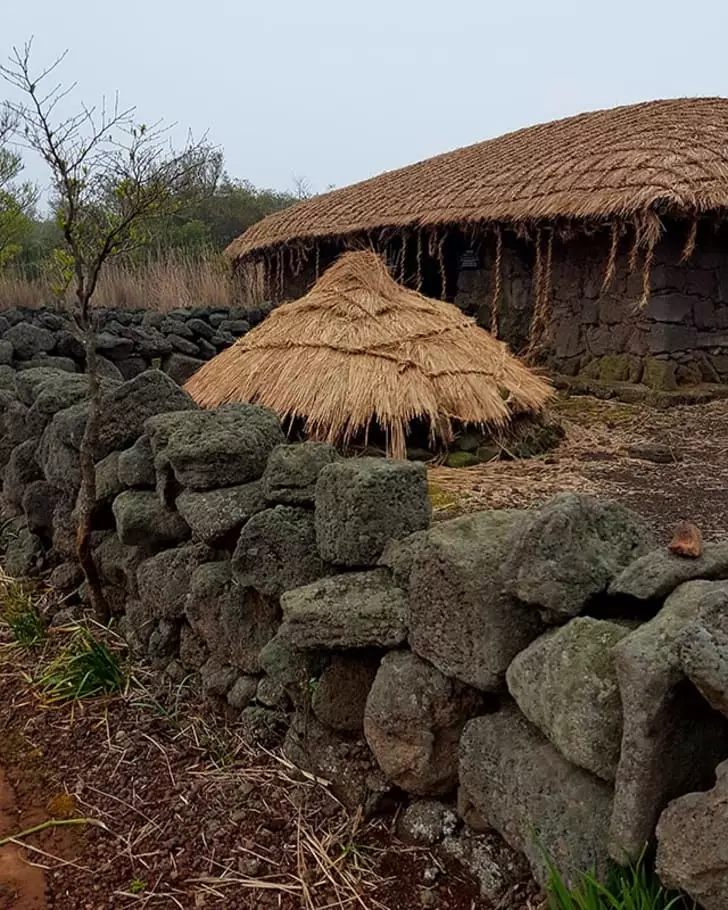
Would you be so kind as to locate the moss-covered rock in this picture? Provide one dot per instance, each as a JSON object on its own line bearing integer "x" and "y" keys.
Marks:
{"x": 461, "y": 460}
{"x": 619, "y": 368}
{"x": 659, "y": 374}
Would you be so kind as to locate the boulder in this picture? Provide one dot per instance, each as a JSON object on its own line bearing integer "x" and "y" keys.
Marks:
{"x": 363, "y": 503}
{"x": 58, "y": 452}
{"x": 399, "y": 557}
{"x": 39, "y": 502}
{"x": 276, "y": 551}
{"x": 132, "y": 366}
{"x": 242, "y": 692}
{"x": 291, "y": 669}
{"x": 703, "y": 651}
{"x": 14, "y": 418}
{"x": 534, "y": 797}
{"x": 458, "y": 565}
{"x": 53, "y": 393}
{"x": 427, "y": 822}
{"x": 6, "y": 353}
{"x": 164, "y": 580}
{"x": 109, "y": 370}
{"x": 340, "y": 695}
{"x": 656, "y": 574}
{"x": 127, "y": 407}
{"x": 193, "y": 651}
{"x": 181, "y": 367}
{"x": 117, "y": 564}
{"x": 565, "y": 683}
{"x": 24, "y": 555}
{"x": 66, "y": 577}
{"x": 22, "y": 469}
{"x": 29, "y": 340}
{"x": 216, "y": 515}
{"x": 141, "y": 520}
{"x": 672, "y": 740}
{"x": 215, "y": 448}
{"x": 500, "y": 871}
{"x": 413, "y": 720}
{"x": 234, "y": 622}
{"x": 136, "y": 465}
{"x": 355, "y": 610}
{"x": 108, "y": 484}
{"x": 691, "y": 851}
{"x": 568, "y": 552}
{"x": 292, "y": 471}
{"x": 217, "y": 679}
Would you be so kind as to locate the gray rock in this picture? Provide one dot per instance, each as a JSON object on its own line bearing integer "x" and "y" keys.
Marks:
{"x": 141, "y": 520}
{"x": 569, "y": 551}
{"x": 182, "y": 345}
{"x": 137, "y": 627}
{"x": 54, "y": 394}
{"x": 276, "y": 551}
{"x": 427, "y": 822}
{"x": 565, "y": 683}
{"x": 117, "y": 564}
{"x": 6, "y": 353}
{"x": 363, "y": 503}
{"x": 65, "y": 364}
{"x": 22, "y": 469}
{"x": 108, "y": 369}
{"x": 399, "y": 556}
{"x": 262, "y": 726}
{"x": 15, "y": 420}
{"x": 193, "y": 651}
{"x": 691, "y": 838}
{"x": 115, "y": 347}
{"x": 132, "y": 366}
{"x": 214, "y": 515}
{"x": 528, "y": 792}
{"x": 181, "y": 367}
{"x": 29, "y": 340}
{"x": 217, "y": 679}
{"x": 347, "y": 764}
{"x": 126, "y": 408}
{"x": 290, "y": 668}
{"x": 136, "y": 465}
{"x": 271, "y": 693}
{"x": 58, "y": 452}
{"x": 340, "y": 695}
{"x": 413, "y": 720}
{"x": 108, "y": 485}
{"x": 222, "y": 447}
{"x": 459, "y": 563}
{"x": 659, "y": 572}
{"x": 672, "y": 740}
{"x": 703, "y": 651}
{"x": 164, "y": 580}
{"x": 242, "y": 692}
{"x": 66, "y": 577}
{"x": 356, "y": 610}
{"x": 39, "y": 502}
{"x": 496, "y": 867}
{"x": 24, "y": 555}
{"x": 292, "y": 471}
{"x": 163, "y": 643}
{"x": 234, "y": 622}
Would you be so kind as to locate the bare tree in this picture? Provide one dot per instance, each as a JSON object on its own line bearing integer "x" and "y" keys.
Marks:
{"x": 112, "y": 180}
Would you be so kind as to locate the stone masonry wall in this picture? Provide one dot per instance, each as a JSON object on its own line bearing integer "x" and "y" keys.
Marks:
{"x": 509, "y": 671}
{"x": 681, "y": 337}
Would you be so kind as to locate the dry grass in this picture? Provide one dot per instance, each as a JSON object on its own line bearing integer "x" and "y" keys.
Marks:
{"x": 360, "y": 350}
{"x": 174, "y": 280}
{"x": 606, "y": 164}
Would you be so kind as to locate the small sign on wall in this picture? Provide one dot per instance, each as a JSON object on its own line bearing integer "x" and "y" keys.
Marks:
{"x": 469, "y": 260}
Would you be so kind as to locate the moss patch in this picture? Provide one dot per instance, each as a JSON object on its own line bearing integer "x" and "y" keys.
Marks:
{"x": 442, "y": 500}
{"x": 659, "y": 374}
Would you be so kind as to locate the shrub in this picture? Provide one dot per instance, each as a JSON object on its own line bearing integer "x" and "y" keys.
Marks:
{"x": 85, "y": 667}
{"x": 19, "y": 611}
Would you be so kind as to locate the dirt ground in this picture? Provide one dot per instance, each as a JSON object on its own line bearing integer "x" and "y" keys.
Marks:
{"x": 667, "y": 465}
{"x": 182, "y": 812}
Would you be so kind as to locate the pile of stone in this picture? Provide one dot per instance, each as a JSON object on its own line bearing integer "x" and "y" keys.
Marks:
{"x": 549, "y": 675}
{"x": 128, "y": 341}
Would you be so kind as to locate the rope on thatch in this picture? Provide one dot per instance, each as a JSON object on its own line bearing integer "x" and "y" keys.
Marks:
{"x": 691, "y": 240}
{"x": 403, "y": 263}
{"x": 635, "y": 250}
{"x": 497, "y": 281}
{"x": 360, "y": 349}
{"x": 318, "y": 261}
{"x": 611, "y": 269}
{"x": 441, "y": 262}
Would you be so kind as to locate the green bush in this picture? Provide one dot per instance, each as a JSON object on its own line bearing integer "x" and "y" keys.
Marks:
{"x": 86, "y": 667}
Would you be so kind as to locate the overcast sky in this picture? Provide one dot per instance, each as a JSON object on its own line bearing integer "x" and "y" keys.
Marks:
{"x": 338, "y": 90}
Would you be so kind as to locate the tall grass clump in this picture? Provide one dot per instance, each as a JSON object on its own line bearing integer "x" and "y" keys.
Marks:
{"x": 19, "y": 612}
{"x": 84, "y": 668}
{"x": 635, "y": 887}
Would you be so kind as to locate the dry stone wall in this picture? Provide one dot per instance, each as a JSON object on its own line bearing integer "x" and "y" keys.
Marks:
{"x": 549, "y": 672}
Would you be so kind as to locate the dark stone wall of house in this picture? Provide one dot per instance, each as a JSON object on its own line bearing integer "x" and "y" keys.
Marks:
{"x": 679, "y": 338}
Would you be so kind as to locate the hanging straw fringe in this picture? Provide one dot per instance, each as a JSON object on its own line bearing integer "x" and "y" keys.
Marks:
{"x": 317, "y": 261}
{"x": 497, "y": 280}
{"x": 403, "y": 263}
{"x": 634, "y": 252}
{"x": 419, "y": 260}
{"x": 651, "y": 232}
{"x": 611, "y": 269}
{"x": 441, "y": 261}
{"x": 692, "y": 237}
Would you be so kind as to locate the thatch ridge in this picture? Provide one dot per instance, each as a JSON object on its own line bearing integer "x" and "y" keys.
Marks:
{"x": 359, "y": 349}
{"x": 670, "y": 155}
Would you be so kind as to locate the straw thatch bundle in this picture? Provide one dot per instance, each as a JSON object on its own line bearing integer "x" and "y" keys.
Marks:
{"x": 359, "y": 350}
{"x": 664, "y": 156}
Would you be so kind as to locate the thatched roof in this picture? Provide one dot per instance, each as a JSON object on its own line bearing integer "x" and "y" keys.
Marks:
{"x": 670, "y": 155}
{"x": 360, "y": 349}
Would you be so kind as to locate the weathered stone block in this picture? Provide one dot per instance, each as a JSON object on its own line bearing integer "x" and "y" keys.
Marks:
{"x": 355, "y": 610}
{"x": 276, "y": 551}
{"x": 566, "y": 684}
{"x": 703, "y": 650}
{"x": 214, "y": 515}
{"x": 537, "y": 800}
{"x": 141, "y": 520}
{"x": 413, "y": 720}
{"x": 340, "y": 694}
{"x": 459, "y": 563}
{"x": 136, "y": 465}
{"x": 164, "y": 580}
{"x": 363, "y": 503}
{"x": 292, "y": 471}
{"x": 657, "y": 573}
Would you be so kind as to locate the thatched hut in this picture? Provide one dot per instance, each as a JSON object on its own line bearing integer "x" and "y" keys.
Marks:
{"x": 360, "y": 351}
{"x": 598, "y": 241}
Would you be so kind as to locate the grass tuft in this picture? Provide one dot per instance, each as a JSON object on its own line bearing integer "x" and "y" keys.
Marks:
{"x": 19, "y": 611}
{"x": 85, "y": 667}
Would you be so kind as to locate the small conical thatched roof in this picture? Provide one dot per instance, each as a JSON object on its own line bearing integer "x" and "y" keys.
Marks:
{"x": 360, "y": 349}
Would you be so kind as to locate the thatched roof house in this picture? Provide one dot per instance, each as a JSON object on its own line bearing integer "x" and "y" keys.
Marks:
{"x": 360, "y": 351}
{"x": 551, "y": 235}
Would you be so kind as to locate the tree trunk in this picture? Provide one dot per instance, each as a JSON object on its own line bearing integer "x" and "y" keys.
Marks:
{"x": 87, "y": 494}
